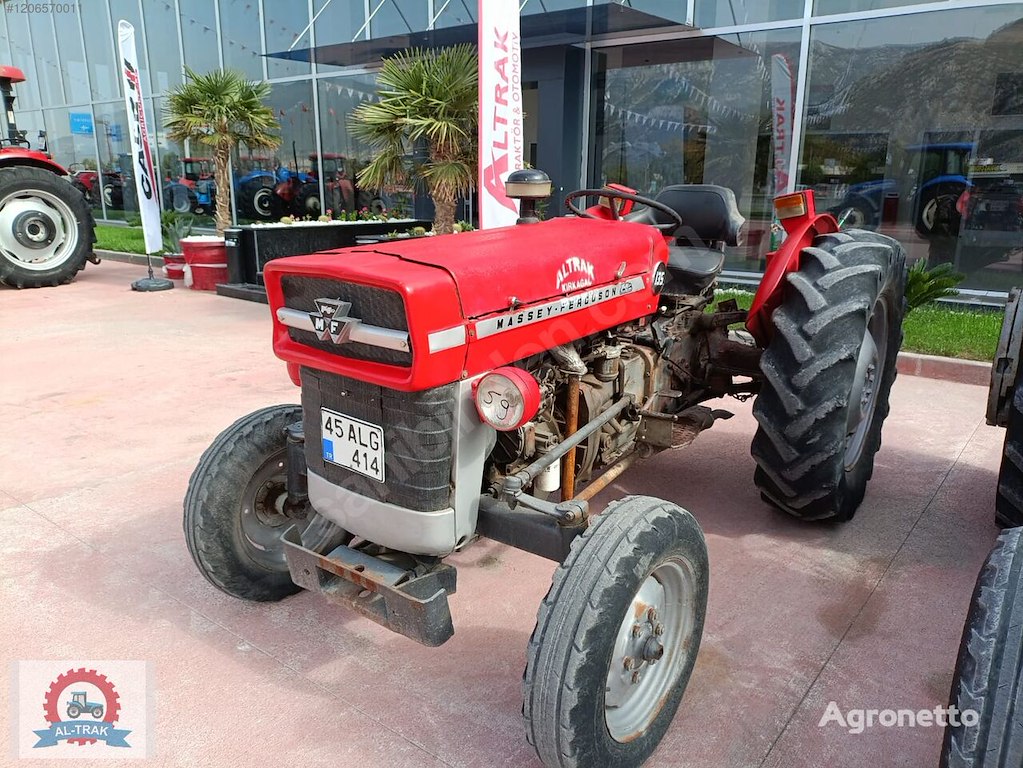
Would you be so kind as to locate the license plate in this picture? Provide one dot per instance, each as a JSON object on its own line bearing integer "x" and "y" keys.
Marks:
{"x": 352, "y": 443}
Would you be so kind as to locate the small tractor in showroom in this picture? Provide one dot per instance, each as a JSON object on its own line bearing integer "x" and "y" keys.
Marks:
{"x": 492, "y": 383}
{"x": 46, "y": 226}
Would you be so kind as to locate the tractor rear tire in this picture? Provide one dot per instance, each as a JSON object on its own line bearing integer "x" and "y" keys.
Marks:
{"x": 233, "y": 516}
{"x": 828, "y": 372}
{"x": 616, "y": 637}
{"x": 307, "y": 201}
{"x": 46, "y": 229}
{"x": 1009, "y": 500}
{"x": 989, "y": 670}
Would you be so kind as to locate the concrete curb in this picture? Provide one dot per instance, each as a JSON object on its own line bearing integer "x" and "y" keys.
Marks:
{"x": 945, "y": 368}
{"x": 910, "y": 363}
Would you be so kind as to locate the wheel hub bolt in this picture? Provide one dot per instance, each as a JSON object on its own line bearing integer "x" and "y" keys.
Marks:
{"x": 652, "y": 615}
{"x": 635, "y": 676}
{"x": 659, "y": 630}
{"x": 653, "y": 650}
{"x": 629, "y": 663}
{"x": 637, "y": 630}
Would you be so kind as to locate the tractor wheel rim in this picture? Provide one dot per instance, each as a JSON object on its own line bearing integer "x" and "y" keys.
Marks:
{"x": 181, "y": 202}
{"x": 650, "y": 649}
{"x": 37, "y": 229}
{"x": 262, "y": 513}
{"x": 867, "y": 381}
{"x": 928, "y": 214}
{"x": 852, "y": 217}
{"x": 261, "y": 202}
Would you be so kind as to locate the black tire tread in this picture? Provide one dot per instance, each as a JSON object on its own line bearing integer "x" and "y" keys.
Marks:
{"x": 209, "y": 506}
{"x": 799, "y": 446}
{"x": 16, "y": 277}
{"x": 568, "y": 614}
{"x": 989, "y": 668}
{"x": 1009, "y": 500}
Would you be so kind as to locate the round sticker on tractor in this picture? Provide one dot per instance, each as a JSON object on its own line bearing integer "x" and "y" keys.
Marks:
{"x": 660, "y": 278}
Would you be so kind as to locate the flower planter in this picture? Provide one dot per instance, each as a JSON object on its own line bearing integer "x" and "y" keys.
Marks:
{"x": 205, "y": 262}
{"x": 250, "y": 247}
{"x": 174, "y": 266}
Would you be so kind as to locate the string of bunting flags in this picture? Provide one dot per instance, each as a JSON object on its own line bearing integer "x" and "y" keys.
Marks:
{"x": 656, "y": 122}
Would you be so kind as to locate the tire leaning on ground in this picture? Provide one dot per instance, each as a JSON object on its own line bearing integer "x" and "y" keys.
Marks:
{"x": 989, "y": 670}
{"x": 616, "y": 637}
{"x": 233, "y": 509}
{"x": 46, "y": 228}
{"x": 828, "y": 372}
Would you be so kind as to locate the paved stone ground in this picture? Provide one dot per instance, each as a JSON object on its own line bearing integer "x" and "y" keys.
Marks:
{"x": 108, "y": 397}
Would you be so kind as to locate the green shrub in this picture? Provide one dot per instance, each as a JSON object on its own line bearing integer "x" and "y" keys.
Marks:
{"x": 925, "y": 285}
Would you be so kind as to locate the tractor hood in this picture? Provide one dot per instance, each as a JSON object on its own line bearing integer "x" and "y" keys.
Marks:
{"x": 418, "y": 313}
{"x": 498, "y": 269}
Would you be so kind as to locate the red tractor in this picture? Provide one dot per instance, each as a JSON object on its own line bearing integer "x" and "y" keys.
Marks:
{"x": 492, "y": 383}
{"x": 46, "y": 227}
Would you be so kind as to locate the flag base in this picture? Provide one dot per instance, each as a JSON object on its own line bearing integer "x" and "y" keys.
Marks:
{"x": 152, "y": 284}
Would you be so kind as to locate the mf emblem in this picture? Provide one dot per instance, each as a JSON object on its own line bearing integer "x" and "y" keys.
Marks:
{"x": 331, "y": 321}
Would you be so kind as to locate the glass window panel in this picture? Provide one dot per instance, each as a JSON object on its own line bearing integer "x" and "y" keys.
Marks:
{"x": 338, "y": 97}
{"x": 5, "y": 44}
{"x": 99, "y": 50}
{"x": 30, "y": 121}
{"x": 670, "y": 10}
{"x": 695, "y": 111}
{"x": 398, "y": 17}
{"x": 72, "y": 56}
{"x": 111, "y": 127}
{"x": 905, "y": 114}
{"x": 162, "y": 42}
{"x": 282, "y": 32}
{"x": 22, "y": 57}
{"x": 822, "y": 7}
{"x": 727, "y": 13}
{"x": 71, "y": 144}
{"x": 339, "y": 22}
{"x": 292, "y": 104}
{"x": 239, "y": 30}
{"x": 44, "y": 47}
{"x": 549, "y": 6}
{"x": 456, "y": 14}
{"x": 199, "y": 34}
{"x": 129, "y": 11}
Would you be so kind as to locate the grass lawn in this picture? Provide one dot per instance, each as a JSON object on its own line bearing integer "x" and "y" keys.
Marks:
{"x": 933, "y": 329}
{"x": 124, "y": 239}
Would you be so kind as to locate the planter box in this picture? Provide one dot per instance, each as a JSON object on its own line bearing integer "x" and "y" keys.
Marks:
{"x": 250, "y": 247}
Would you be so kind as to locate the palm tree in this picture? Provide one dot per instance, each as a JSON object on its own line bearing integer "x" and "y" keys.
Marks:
{"x": 221, "y": 109}
{"x": 428, "y": 101}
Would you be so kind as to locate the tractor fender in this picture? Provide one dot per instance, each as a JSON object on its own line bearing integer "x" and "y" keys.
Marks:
{"x": 801, "y": 234}
{"x": 32, "y": 158}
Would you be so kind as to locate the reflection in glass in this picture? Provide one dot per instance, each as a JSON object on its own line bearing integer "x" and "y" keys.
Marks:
{"x": 728, "y": 13}
{"x": 282, "y": 32}
{"x": 339, "y": 22}
{"x": 116, "y": 182}
{"x": 913, "y": 127}
{"x": 162, "y": 43}
{"x": 69, "y": 137}
{"x": 239, "y": 31}
{"x": 695, "y": 111}
{"x": 822, "y": 7}
{"x": 99, "y": 50}
{"x": 72, "y": 55}
{"x": 398, "y": 17}
{"x": 27, "y": 93}
{"x": 199, "y": 34}
{"x": 44, "y": 47}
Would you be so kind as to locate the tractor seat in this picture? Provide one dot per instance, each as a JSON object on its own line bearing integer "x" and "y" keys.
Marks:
{"x": 710, "y": 221}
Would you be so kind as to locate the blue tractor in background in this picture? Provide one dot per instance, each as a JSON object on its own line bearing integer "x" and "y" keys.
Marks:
{"x": 932, "y": 177}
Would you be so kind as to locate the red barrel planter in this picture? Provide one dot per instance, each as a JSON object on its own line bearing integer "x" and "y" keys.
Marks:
{"x": 174, "y": 266}
{"x": 205, "y": 262}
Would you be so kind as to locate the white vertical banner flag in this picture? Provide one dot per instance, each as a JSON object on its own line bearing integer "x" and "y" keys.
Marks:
{"x": 782, "y": 99}
{"x": 500, "y": 83}
{"x": 147, "y": 185}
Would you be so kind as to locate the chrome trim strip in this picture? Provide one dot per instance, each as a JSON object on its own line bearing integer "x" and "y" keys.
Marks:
{"x": 556, "y": 308}
{"x": 447, "y": 339}
{"x": 373, "y": 335}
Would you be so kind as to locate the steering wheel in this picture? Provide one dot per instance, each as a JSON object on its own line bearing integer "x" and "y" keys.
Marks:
{"x": 612, "y": 194}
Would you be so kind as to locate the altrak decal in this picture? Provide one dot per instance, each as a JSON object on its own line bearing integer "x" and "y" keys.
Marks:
{"x": 565, "y": 306}
{"x": 574, "y": 274}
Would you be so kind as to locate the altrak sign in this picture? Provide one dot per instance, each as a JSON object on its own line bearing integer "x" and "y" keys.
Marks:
{"x": 500, "y": 118}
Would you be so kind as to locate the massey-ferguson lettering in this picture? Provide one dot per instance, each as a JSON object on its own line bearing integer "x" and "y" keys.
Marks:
{"x": 493, "y": 383}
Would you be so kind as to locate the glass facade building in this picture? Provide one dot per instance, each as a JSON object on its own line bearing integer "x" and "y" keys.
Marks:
{"x": 905, "y": 117}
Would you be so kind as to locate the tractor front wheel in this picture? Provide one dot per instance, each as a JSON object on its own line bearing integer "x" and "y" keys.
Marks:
{"x": 616, "y": 636}
{"x": 235, "y": 514}
{"x": 73, "y": 711}
{"x": 46, "y": 229}
{"x": 827, "y": 374}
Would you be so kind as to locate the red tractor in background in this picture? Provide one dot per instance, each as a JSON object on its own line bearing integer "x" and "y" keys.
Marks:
{"x": 492, "y": 383}
{"x": 46, "y": 227}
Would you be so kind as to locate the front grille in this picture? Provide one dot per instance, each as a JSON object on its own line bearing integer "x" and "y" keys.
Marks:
{"x": 372, "y": 305}
{"x": 418, "y": 438}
